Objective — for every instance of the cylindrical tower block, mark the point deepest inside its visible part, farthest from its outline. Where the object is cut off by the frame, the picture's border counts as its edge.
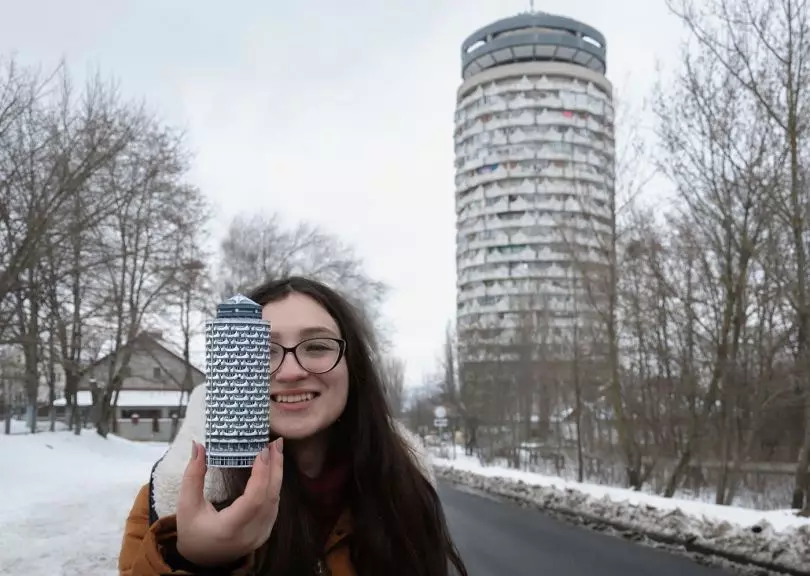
(237, 395)
(534, 172)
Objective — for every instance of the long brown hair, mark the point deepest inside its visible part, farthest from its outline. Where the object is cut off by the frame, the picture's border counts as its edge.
(399, 525)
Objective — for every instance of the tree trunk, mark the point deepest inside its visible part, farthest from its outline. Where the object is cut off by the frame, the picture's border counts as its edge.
(77, 420)
(9, 404)
(103, 418)
(801, 484)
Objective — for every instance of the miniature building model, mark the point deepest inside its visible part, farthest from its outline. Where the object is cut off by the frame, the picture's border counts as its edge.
(237, 397)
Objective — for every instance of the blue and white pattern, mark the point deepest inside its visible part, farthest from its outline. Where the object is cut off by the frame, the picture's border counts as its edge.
(237, 394)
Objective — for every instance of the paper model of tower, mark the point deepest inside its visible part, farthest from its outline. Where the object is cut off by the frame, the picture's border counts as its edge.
(237, 394)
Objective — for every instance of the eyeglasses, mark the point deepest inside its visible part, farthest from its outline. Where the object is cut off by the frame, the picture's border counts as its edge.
(315, 355)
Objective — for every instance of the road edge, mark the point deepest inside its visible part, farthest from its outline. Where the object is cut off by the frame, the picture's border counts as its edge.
(689, 545)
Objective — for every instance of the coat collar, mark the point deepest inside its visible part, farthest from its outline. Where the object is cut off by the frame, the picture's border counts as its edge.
(168, 473)
(341, 530)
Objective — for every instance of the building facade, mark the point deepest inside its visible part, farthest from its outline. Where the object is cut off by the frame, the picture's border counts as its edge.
(155, 387)
(237, 393)
(534, 150)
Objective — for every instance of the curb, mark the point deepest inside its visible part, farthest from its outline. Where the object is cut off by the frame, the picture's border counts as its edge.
(688, 544)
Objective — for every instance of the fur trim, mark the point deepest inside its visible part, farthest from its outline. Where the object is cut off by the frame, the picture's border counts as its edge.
(168, 473)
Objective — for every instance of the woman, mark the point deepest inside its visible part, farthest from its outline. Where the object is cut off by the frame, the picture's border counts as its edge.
(356, 496)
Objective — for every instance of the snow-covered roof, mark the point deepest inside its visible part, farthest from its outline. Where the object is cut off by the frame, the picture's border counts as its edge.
(134, 398)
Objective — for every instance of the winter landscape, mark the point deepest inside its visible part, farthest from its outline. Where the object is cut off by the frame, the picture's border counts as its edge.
(67, 497)
(580, 232)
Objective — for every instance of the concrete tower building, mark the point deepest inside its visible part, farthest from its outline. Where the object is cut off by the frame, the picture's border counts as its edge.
(534, 172)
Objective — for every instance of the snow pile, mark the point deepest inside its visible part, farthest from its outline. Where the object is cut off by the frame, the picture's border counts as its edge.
(65, 501)
(777, 538)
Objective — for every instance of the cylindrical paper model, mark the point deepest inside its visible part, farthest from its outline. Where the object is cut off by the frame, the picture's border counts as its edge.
(237, 392)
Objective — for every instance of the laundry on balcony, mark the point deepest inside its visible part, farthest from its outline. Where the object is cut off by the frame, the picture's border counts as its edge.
(487, 168)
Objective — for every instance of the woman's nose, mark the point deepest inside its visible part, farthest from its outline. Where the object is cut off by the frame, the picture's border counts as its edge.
(290, 370)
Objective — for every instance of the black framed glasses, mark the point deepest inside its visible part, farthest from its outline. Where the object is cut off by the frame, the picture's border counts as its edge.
(315, 355)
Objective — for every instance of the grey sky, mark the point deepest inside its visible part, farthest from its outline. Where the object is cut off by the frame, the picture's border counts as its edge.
(339, 113)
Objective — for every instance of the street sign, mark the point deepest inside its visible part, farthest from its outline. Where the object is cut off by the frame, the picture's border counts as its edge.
(440, 412)
(440, 422)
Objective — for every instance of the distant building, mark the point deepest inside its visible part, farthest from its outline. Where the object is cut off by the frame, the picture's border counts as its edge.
(152, 398)
(534, 174)
(12, 380)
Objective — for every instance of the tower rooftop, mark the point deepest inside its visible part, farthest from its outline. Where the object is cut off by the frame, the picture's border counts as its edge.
(239, 306)
(533, 37)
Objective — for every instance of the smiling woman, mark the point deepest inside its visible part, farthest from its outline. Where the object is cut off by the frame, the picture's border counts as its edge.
(357, 495)
(309, 384)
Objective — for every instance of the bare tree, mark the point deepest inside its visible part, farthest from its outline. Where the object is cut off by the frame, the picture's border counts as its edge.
(596, 252)
(576, 361)
(260, 247)
(527, 363)
(158, 216)
(94, 216)
(482, 382)
(419, 406)
(393, 370)
(448, 368)
(718, 150)
(188, 302)
(52, 152)
(764, 45)
(9, 375)
(70, 259)
(195, 291)
(23, 217)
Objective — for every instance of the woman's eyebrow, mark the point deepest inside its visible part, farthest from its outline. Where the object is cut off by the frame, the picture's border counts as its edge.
(310, 332)
(317, 331)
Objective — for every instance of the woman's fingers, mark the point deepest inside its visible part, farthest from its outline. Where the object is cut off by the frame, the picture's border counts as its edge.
(260, 498)
(257, 507)
(208, 537)
(276, 469)
(192, 494)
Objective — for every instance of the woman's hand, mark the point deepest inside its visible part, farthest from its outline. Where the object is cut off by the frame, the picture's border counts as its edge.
(210, 538)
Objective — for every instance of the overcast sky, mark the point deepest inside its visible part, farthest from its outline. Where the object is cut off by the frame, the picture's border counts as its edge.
(340, 113)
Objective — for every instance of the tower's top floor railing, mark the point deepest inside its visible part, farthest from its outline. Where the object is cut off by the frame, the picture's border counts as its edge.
(533, 37)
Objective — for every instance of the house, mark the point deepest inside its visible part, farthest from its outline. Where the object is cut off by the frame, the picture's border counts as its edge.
(154, 392)
(12, 381)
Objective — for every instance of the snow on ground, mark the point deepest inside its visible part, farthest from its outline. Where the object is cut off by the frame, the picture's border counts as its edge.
(773, 536)
(65, 500)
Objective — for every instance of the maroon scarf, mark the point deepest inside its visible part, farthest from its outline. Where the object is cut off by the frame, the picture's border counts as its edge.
(326, 495)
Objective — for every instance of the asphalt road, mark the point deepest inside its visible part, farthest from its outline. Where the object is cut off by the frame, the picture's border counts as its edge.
(501, 539)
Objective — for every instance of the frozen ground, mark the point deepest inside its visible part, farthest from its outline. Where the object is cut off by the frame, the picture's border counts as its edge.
(66, 497)
(65, 500)
(774, 536)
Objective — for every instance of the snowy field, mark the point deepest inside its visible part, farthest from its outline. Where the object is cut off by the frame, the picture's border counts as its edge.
(65, 500)
(778, 536)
